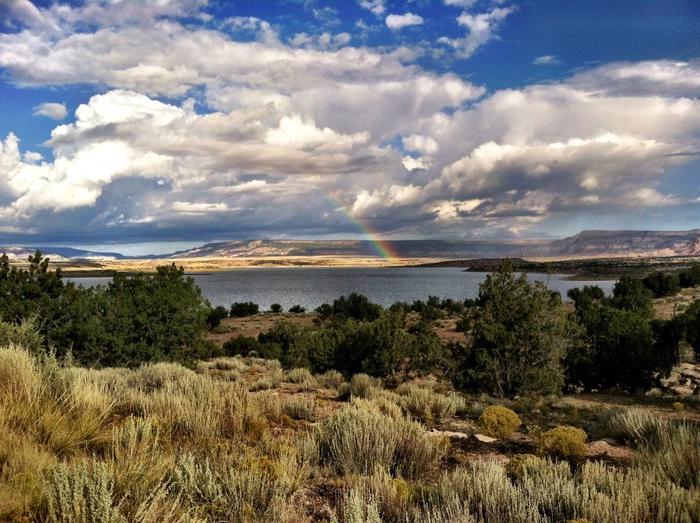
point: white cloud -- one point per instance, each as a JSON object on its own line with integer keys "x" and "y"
{"x": 377, "y": 7}
{"x": 480, "y": 29}
{"x": 397, "y": 22}
{"x": 54, "y": 110}
{"x": 547, "y": 59}
{"x": 464, "y": 4}
{"x": 286, "y": 123}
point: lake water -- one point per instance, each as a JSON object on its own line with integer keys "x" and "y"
{"x": 311, "y": 287}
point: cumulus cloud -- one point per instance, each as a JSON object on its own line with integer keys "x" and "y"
{"x": 377, "y": 7}
{"x": 54, "y": 110}
{"x": 397, "y": 22}
{"x": 480, "y": 29}
{"x": 280, "y": 124}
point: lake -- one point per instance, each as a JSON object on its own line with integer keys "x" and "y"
{"x": 312, "y": 286}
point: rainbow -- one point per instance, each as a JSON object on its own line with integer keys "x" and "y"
{"x": 382, "y": 247}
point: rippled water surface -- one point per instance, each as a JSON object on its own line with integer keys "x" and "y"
{"x": 312, "y": 286}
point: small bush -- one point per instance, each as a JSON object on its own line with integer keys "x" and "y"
{"x": 243, "y": 309}
{"x": 358, "y": 438}
{"x": 499, "y": 421}
{"x": 242, "y": 345}
{"x": 331, "y": 379}
{"x": 678, "y": 406}
{"x": 297, "y": 309}
{"x": 276, "y": 308}
{"x": 521, "y": 464}
{"x": 637, "y": 426}
{"x": 301, "y": 409}
{"x": 425, "y": 405}
{"x": 360, "y": 386}
{"x": 567, "y": 443}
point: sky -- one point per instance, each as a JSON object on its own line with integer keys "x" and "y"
{"x": 165, "y": 123}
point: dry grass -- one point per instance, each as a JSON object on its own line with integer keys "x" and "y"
{"x": 164, "y": 443}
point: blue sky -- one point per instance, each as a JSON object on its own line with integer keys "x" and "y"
{"x": 147, "y": 122}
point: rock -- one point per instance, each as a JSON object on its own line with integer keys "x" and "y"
{"x": 656, "y": 391}
{"x": 692, "y": 374}
{"x": 673, "y": 380}
{"x": 484, "y": 439}
{"x": 611, "y": 441}
{"x": 683, "y": 390}
{"x": 449, "y": 434}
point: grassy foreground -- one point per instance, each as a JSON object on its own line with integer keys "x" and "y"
{"x": 240, "y": 439}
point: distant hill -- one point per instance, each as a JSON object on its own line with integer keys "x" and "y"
{"x": 628, "y": 243}
{"x": 58, "y": 253}
{"x": 360, "y": 248}
{"x": 586, "y": 244}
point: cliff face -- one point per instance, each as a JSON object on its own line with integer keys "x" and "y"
{"x": 585, "y": 244}
{"x": 628, "y": 243}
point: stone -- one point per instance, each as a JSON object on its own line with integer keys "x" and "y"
{"x": 673, "y": 380}
{"x": 692, "y": 374}
{"x": 484, "y": 438}
{"x": 683, "y": 390}
{"x": 611, "y": 441}
{"x": 654, "y": 392}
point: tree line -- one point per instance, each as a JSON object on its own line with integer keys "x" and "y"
{"x": 519, "y": 336}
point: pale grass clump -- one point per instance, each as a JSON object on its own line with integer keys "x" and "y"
{"x": 82, "y": 493}
{"x": 253, "y": 489}
{"x": 544, "y": 491}
{"x": 358, "y": 438}
{"x": 20, "y": 379}
{"x": 139, "y": 461}
{"x": 331, "y": 380}
{"x": 388, "y": 404}
{"x": 462, "y": 407}
{"x": 389, "y": 496}
{"x": 674, "y": 456}
{"x": 302, "y": 408}
{"x": 303, "y": 378}
{"x": 425, "y": 405}
{"x": 637, "y": 426}
{"x": 23, "y": 463}
{"x": 360, "y": 386}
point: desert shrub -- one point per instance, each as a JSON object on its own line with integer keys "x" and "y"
{"x": 691, "y": 323}
{"x": 82, "y": 493}
{"x": 276, "y": 308}
{"x": 424, "y": 405}
{"x": 622, "y": 348}
{"x": 499, "y": 421}
{"x": 243, "y": 309}
{"x": 331, "y": 379}
{"x": 662, "y": 283}
{"x": 300, "y": 375}
{"x": 521, "y": 464}
{"x": 567, "y": 443}
{"x": 216, "y": 315}
{"x": 637, "y": 426}
{"x": 297, "y": 309}
{"x": 675, "y": 455}
{"x": 25, "y": 334}
{"x": 300, "y": 408}
{"x": 630, "y": 294}
{"x": 242, "y": 345}
{"x": 462, "y": 406}
{"x": 379, "y": 495}
{"x": 678, "y": 406}
{"x": 355, "y": 306}
{"x": 360, "y": 386}
{"x": 521, "y": 334}
{"x": 358, "y": 438}
{"x": 248, "y": 491}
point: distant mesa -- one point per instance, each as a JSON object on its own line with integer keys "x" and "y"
{"x": 586, "y": 244}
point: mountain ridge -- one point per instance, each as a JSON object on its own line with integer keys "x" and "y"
{"x": 585, "y": 244}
